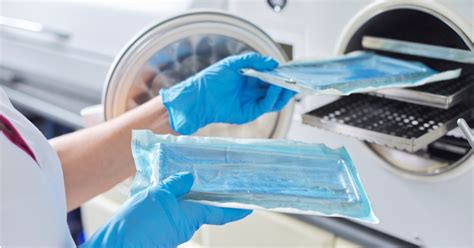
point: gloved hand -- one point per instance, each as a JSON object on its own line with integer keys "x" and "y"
{"x": 220, "y": 93}
{"x": 156, "y": 217}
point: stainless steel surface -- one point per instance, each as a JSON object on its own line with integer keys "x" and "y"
{"x": 44, "y": 107}
{"x": 33, "y": 27}
{"x": 7, "y": 75}
{"x": 409, "y": 21}
{"x": 386, "y": 122}
{"x": 352, "y": 231}
{"x": 169, "y": 52}
{"x": 429, "y": 211}
{"x": 421, "y": 163}
{"x": 46, "y": 97}
{"x": 442, "y": 94}
{"x": 409, "y": 25}
{"x": 466, "y": 130}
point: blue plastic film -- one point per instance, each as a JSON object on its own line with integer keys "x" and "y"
{"x": 418, "y": 49}
{"x": 352, "y": 73}
{"x": 277, "y": 175}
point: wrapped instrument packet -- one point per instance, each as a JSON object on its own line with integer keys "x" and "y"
{"x": 275, "y": 175}
{"x": 418, "y": 49}
{"x": 355, "y": 72}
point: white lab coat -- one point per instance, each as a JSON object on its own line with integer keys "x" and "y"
{"x": 33, "y": 209}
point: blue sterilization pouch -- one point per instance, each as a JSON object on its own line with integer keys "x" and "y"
{"x": 355, "y": 72}
{"x": 276, "y": 175}
{"x": 418, "y": 49}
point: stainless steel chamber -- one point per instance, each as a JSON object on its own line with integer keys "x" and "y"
{"x": 408, "y": 128}
{"x": 170, "y": 51}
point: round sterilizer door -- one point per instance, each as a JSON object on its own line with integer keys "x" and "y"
{"x": 415, "y": 22}
{"x": 171, "y": 51}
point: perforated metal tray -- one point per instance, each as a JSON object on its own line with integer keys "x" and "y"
{"x": 442, "y": 94}
{"x": 386, "y": 122}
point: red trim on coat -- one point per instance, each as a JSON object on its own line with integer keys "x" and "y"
{"x": 16, "y": 138}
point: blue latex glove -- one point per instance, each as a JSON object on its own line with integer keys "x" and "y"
{"x": 220, "y": 93}
{"x": 156, "y": 217}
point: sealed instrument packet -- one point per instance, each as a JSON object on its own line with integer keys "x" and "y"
{"x": 356, "y": 72}
{"x": 418, "y": 49}
{"x": 275, "y": 175}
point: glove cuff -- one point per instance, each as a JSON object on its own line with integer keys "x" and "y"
{"x": 181, "y": 102}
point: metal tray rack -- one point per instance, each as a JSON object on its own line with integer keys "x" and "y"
{"x": 386, "y": 122}
{"x": 439, "y": 95}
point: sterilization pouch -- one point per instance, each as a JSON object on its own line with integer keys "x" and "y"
{"x": 418, "y": 49}
{"x": 276, "y": 175}
{"x": 355, "y": 72}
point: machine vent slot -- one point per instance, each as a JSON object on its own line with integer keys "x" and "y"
{"x": 386, "y": 122}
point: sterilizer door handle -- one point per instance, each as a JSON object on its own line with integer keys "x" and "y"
{"x": 33, "y": 27}
{"x": 466, "y": 130}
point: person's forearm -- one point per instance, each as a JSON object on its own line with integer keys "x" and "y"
{"x": 97, "y": 158}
